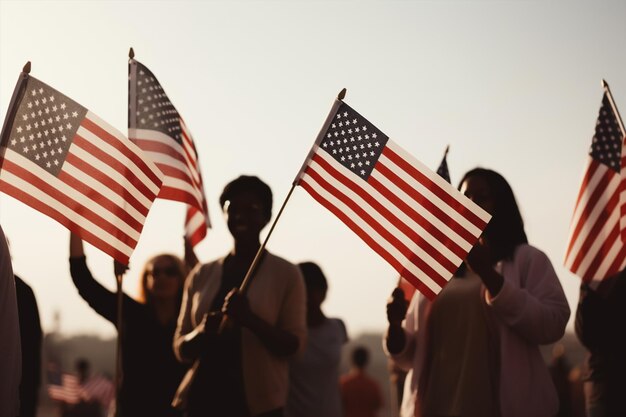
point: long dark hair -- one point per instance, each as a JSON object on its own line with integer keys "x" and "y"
{"x": 506, "y": 228}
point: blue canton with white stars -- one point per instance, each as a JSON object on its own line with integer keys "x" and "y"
{"x": 606, "y": 146}
{"x": 353, "y": 141}
{"x": 154, "y": 109}
{"x": 44, "y": 126}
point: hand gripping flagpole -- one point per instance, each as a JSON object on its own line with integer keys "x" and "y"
{"x": 614, "y": 106}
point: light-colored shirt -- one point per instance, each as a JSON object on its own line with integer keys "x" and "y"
{"x": 10, "y": 349}
{"x": 314, "y": 375}
{"x": 276, "y": 295}
{"x": 530, "y": 310}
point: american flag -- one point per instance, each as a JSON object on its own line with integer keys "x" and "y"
{"x": 66, "y": 162}
{"x": 156, "y": 127}
{"x": 100, "y": 389}
{"x": 409, "y": 215}
{"x": 443, "y": 172}
{"x": 64, "y": 387}
{"x": 596, "y": 248}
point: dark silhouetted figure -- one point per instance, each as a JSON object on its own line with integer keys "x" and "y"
{"x": 360, "y": 393}
{"x": 314, "y": 375}
{"x": 151, "y": 372}
{"x": 474, "y": 350}
{"x": 243, "y": 370}
{"x": 30, "y": 337}
{"x": 600, "y": 319}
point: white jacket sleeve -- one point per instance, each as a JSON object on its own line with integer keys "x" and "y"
{"x": 531, "y": 301}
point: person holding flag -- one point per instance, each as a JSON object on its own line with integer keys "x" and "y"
{"x": 597, "y": 254}
{"x": 241, "y": 369}
{"x": 147, "y": 330}
{"x": 474, "y": 349}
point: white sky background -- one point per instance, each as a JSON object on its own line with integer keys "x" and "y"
{"x": 510, "y": 85}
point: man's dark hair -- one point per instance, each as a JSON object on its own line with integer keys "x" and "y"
{"x": 248, "y": 183}
{"x": 313, "y": 276}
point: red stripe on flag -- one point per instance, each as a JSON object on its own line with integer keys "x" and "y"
{"x": 74, "y": 205}
{"x": 419, "y": 219}
{"x": 590, "y": 203}
{"x": 155, "y": 146}
{"x": 174, "y": 172}
{"x": 196, "y": 235}
{"x": 601, "y": 254}
{"x": 424, "y": 202}
{"x": 368, "y": 240}
{"x": 101, "y": 200}
{"x": 618, "y": 263}
{"x": 115, "y": 164}
{"x": 42, "y": 207}
{"x": 388, "y": 215}
{"x": 176, "y": 194}
{"x": 123, "y": 148}
{"x": 382, "y": 231}
{"x": 433, "y": 187}
{"x": 91, "y": 171}
{"x": 599, "y": 224}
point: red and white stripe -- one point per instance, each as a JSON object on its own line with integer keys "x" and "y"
{"x": 103, "y": 192}
{"x": 99, "y": 389}
{"x": 408, "y": 214}
{"x": 68, "y": 392}
{"x": 596, "y": 249}
{"x": 181, "y": 168}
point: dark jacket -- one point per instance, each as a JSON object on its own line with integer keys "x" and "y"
{"x": 151, "y": 372}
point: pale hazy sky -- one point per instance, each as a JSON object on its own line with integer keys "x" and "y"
{"x": 510, "y": 85}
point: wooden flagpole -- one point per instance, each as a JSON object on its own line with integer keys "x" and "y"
{"x": 119, "y": 373}
{"x": 257, "y": 258}
{"x": 614, "y": 106}
{"x": 119, "y": 278}
{"x": 248, "y": 278}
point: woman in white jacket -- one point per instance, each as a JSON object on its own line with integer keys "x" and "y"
{"x": 474, "y": 350}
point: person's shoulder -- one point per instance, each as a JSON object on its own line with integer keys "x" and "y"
{"x": 527, "y": 252}
{"x": 202, "y": 271}
{"x": 282, "y": 266}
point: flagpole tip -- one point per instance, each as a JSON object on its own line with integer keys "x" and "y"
{"x": 131, "y": 53}
{"x": 341, "y": 94}
{"x": 447, "y": 149}
{"x": 605, "y": 84}
{"x": 26, "y": 68}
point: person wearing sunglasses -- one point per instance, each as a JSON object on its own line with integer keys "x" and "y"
{"x": 151, "y": 372}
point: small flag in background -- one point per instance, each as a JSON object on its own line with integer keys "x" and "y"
{"x": 596, "y": 248}
{"x": 66, "y": 162}
{"x": 64, "y": 387}
{"x": 442, "y": 170}
{"x": 409, "y": 215}
{"x": 157, "y": 128}
{"x": 100, "y": 389}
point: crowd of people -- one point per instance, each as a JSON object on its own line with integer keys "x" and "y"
{"x": 198, "y": 343}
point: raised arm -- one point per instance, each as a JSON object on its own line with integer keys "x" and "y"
{"x": 103, "y": 301}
